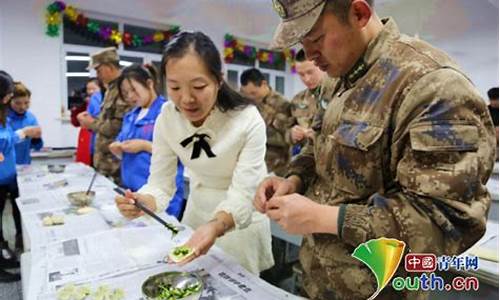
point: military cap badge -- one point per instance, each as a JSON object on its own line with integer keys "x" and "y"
{"x": 279, "y": 8}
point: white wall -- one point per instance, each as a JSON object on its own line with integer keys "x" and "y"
{"x": 36, "y": 59}
{"x": 30, "y": 56}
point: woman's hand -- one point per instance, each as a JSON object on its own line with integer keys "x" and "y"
{"x": 125, "y": 204}
{"x": 32, "y": 131}
{"x": 135, "y": 146}
{"x": 202, "y": 240}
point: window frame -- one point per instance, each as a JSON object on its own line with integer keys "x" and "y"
{"x": 147, "y": 57}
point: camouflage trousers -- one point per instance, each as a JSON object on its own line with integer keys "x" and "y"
{"x": 108, "y": 165}
{"x": 331, "y": 273}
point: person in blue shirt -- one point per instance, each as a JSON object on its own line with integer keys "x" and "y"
{"x": 20, "y": 118}
{"x": 133, "y": 145}
{"x": 7, "y": 174}
{"x": 94, "y": 109}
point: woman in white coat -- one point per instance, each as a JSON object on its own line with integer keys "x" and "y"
{"x": 220, "y": 138}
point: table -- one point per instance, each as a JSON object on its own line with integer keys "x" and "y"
{"x": 103, "y": 248}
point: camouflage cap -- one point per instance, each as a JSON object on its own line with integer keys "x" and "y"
{"x": 106, "y": 55}
{"x": 297, "y": 19}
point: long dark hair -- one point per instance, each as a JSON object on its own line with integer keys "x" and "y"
{"x": 6, "y": 87}
{"x": 139, "y": 73}
{"x": 181, "y": 43}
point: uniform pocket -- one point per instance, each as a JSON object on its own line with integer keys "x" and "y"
{"x": 357, "y": 158}
{"x": 441, "y": 161}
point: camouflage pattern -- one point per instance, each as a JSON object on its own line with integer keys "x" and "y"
{"x": 405, "y": 151}
{"x": 297, "y": 19}
{"x": 106, "y": 55}
{"x": 325, "y": 95}
{"x": 309, "y": 106}
{"x": 276, "y": 112}
{"x": 107, "y": 126}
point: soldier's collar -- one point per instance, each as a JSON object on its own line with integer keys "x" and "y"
{"x": 316, "y": 91}
{"x": 375, "y": 49}
{"x": 357, "y": 71}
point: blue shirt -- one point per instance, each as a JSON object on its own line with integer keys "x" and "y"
{"x": 8, "y": 165}
{"x": 23, "y": 147}
{"x": 135, "y": 166}
{"x": 94, "y": 109}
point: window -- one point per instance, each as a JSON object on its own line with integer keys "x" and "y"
{"x": 233, "y": 79}
{"x": 279, "y": 84}
{"x": 77, "y": 49}
{"x": 76, "y": 77}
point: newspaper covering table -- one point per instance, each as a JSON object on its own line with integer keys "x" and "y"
{"x": 101, "y": 248}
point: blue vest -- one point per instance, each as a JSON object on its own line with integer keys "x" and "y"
{"x": 135, "y": 166}
{"x": 23, "y": 148}
{"x": 8, "y": 165}
{"x": 94, "y": 109}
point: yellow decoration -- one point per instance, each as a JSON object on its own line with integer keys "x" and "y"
{"x": 264, "y": 56}
{"x": 53, "y": 19}
{"x": 239, "y": 46}
{"x": 158, "y": 36}
{"x": 116, "y": 37}
{"x": 228, "y": 52}
{"x": 71, "y": 13}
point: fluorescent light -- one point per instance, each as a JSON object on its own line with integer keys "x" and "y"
{"x": 125, "y": 63}
{"x": 77, "y": 58}
{"x": 78, "y": 74}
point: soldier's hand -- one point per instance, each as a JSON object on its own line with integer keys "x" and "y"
{"x": 297, "y": 134}
{"x": 294, "y": 213}
{"x": 116, "y": 148}
{"x": 309, "y": 133}
{"x": 85, "y": 119}
{"x": 1, "y": 157}
{"x": 272, "y": 187}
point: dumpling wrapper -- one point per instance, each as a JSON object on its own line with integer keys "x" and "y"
{"x": 176, "y": 257}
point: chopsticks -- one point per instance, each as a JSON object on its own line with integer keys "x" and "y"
{"x": 149, "y": 212}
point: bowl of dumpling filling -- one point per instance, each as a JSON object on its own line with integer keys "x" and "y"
{"x": 173, "y": 286}
{"x": 81, "y": 199}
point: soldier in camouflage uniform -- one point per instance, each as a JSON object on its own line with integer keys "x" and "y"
{"x": 309, "y": 105}
{"x": 305, "y": 103}
{"x": 276, "y": 112}
{"x": 405, "y": 150}
{"x": 113, "y": 108}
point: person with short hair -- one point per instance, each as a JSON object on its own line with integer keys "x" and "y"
{"x": 21, "y": 119}
{"x": 108, "y": 124}
{"x": 83, "y": 148}
{"x": 405, "y": 150}
{"x": 307, "y": 103}
{"x": 276, "y": 111}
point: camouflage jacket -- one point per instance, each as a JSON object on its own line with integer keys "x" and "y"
{"x": 405, "y": 150}
{"x": 107, "y": 126}
{"x": 276, "y": 112}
